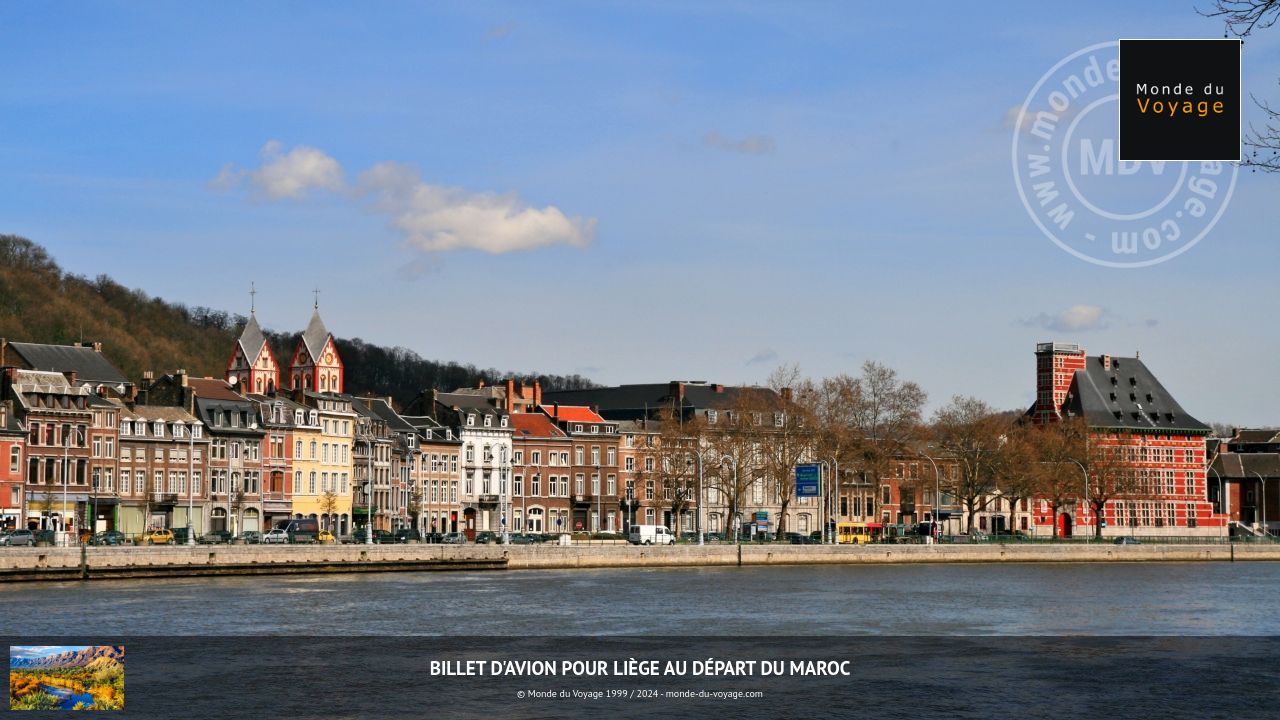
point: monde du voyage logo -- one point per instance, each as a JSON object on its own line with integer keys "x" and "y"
{"x": 1124, "y": 153}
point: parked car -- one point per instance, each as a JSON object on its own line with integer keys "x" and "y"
{"x": 1128, "y": 540}
{"x": 487, "y": 537}
{"x": 300, "y": 530}
{"x": 651, "y": 535}
{"x": 216, "y": 537}
{"x": 799, "y": 539}
{"x": 453, "y": 539}
{"x": 18, "y": 537}
{"x": 407, "y": 535}
{"x": 108, "y": 537}
{"x": 525, "y": 539}
{"x": 433, "y": 538}
{"x": 278, "y": 536}
{"x": 160, "y": 536}
{"x": 325, "y": 537}
{"x": 379, "y": 536}
{"x": 250, "y": 537}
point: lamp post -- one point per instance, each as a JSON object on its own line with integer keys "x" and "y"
{"x": 66, "y": 467}
{"x": 937, "y": 496}
{"x": 701, "y": 527}
{"x": 368, "y": 514}
{"x": 1086, "y": 496}
{"x": 1263, "y": 482}
{"x": 1222, "y": 496}
{"x": 93, "y": 523}
{"x": 191, "y": 479}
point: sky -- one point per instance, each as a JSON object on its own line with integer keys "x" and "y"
{"x": 28, "y": 652}
{"x": 637, "y": 192}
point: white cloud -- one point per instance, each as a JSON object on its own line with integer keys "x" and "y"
{"x": 749, "y": 145}
{"x": 432, "y": 218}
{"x": 1077, "y": 318}
{"x": 285, "y": 175}
{"x": 767, "y": 355}
{"x": 435, "y": 218}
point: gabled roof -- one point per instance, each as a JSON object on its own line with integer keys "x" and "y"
{"x": 531, "y": 425}
{"x": 1251, "y": 437}
{"x": 571, "y": 413}
{"x": 89, "y": 365}
{"x": 381, "y": 410}
{"x": 214, "y": 389}
{"x": 472, "y": 403}
{"x": 1247, "y": 466}
{"x": 315, "y": 336}
{"x": 1127, "y": 396}
{"x": 626, "y": 402}
{"x": 252, "y": 338}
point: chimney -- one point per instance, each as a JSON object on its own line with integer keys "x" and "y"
{"x": 537, "y": 392}
{"x": 97, "y": 347}
{"x": 1106, "y": 362}
{"x": 676, "y": 390}
{"x": 71, "y": 376}
{"x": 511, "y": 394}
{"x": 555, "y": 411}
{"x": 182, "y": 377}
{"x": 718, "y": 388}
{"x": 481, "y": 383}
{"x": 786, "y": 394}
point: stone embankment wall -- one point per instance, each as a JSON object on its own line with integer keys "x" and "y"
{"x": 120, "y": 562}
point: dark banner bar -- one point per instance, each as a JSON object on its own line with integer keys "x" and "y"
{"x": 694, "y": 677}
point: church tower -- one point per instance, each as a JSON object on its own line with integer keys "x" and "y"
{"x": 316, "y": 365}
{"x": 252, "y": 367}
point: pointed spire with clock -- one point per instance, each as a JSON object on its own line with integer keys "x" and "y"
{"x": 253, "y": 366}
{"x": 316, "y": 365}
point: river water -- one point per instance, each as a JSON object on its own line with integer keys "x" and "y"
{"x": 1177, "y": 599}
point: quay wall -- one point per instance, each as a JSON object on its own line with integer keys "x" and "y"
{"x": 74, "y": 563}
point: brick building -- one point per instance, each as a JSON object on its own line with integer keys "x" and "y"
{"x": 1162, "y": 447}
{"x": 594, "y": 493}
{"x": 12, "y": 442}
{"x": 540, "y": 453}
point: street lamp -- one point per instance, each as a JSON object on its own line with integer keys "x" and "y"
{"x": 937, "y": 496}
{"x": 191, "y": 479}
{"x": 368, "y": 515}
{"x": 1222, "y": 497}
{"x": 66, "y": 446}
{"x": 1263, "y": 482}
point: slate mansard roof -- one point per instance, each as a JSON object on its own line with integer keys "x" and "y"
{"x": 89, "y": 365}
{"x": 1126, "y": 396}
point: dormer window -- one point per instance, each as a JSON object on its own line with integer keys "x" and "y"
{"x": 141, "y": 427}
{"x": 179, "y": 430}
{"x": 504, "y": 422}
{"x": 157, "y": 428}
{"x": 488, "y": 420}
{"x": 197, "y": 431}
{"x": 577, "y": 428}
{"x": 313, "y": 418}
{"x": 595, "y": 429}
{"x": 471, "y": 420}
{"x": 126, "y": 428}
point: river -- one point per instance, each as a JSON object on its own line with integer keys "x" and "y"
{"x": 998, "y": 599}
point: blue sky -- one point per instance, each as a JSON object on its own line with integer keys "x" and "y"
{"x": 28, "y": 652}
{"x": 658, "y": 191}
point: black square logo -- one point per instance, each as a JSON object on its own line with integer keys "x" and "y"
{"x": 1180, "y": 100}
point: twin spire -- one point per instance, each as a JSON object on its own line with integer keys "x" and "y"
{"x": 314, "y": 366}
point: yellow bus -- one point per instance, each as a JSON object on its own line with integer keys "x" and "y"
{"x": 857, "y": 533}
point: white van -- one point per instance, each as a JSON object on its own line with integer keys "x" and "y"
{"x": 651, "y": 535}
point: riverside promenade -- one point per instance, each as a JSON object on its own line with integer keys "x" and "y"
{"x": 91, "y": 563}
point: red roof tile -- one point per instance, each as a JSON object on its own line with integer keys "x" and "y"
{"x": 571, "y": 413}
{"x": 534, "y": 425}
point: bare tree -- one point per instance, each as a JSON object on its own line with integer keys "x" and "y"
{"x": 1241, "y": 18}
{"x": 1058, "y": 478}
{"x": 1015, "y": 479}
{"x": 734, "y": 457}
{"x": 1111, "y": 475}
{"x": 786, "y": 435}
{"x": 878, "y": 416}
{"x": 971, "y": 434}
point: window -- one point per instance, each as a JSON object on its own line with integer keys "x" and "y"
{"x": 595, "y": 456}
{"x": 536, "y": 457}
{"x": 579, "y": 484}
{"x": 535, "y": 485}
{"x": 578, "y": 456}
{"x": 311, "y": 484}
{"x": 611, "y": 456}
{"x": 629, "y": 463}
{"x": 15, "y": 460}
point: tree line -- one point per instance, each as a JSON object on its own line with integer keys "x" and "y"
{"x": 41, "y": 303}
{"x": 867, "y": 425}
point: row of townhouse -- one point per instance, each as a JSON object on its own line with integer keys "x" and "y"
{"x": 83, "y": 447}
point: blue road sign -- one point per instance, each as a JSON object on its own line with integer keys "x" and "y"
{"x": 808, "y": 480}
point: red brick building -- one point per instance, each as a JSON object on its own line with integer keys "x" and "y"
{"x": 594, "y": 490}
{"x": 1160, "y": 444}
{"x": 540, "y": 453}
{"x": 12, "y": 441}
